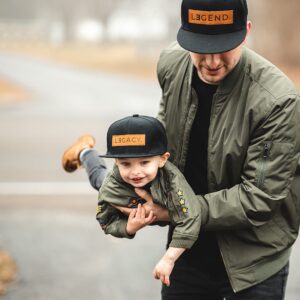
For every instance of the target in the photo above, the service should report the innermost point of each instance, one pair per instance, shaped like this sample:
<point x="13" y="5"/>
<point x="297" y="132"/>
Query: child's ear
<point x="116" y="161"/>
<point x="163" y="159"/>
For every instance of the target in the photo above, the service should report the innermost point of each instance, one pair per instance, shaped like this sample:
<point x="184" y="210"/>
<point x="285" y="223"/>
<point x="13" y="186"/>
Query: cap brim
<point x="130" y="155"/>
<point x="210" y="43"/>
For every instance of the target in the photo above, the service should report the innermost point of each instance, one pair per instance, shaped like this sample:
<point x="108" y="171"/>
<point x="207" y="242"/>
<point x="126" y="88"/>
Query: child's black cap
<point x="136" y="136"/>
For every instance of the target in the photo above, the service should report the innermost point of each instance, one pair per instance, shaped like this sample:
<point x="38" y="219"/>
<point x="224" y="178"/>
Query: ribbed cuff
<point x="182" y="242"/>
<point x="122" y="230"/>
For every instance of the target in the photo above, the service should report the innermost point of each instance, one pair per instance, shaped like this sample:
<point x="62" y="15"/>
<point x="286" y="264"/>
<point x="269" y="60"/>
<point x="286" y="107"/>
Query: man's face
<point x="140" y="171"/>
<point x="213" y="68"/>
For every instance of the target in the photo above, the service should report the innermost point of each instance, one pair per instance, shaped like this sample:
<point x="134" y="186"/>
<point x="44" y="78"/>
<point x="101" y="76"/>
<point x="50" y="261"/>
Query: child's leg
<point x="81" y="153"/>
<point x="94" y="166"/>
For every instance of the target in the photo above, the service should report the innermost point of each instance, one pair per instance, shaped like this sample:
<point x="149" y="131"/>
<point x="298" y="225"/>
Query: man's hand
<point x="137" y="219"/>
<point x="159" y="212"/>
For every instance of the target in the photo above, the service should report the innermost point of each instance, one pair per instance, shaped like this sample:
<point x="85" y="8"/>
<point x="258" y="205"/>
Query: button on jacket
<point x="253" y="151"/>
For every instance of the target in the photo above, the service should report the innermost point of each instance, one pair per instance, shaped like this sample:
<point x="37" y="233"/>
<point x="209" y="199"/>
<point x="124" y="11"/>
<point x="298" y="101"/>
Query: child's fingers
<point x="150" y="216"/>
<point x="138" y="211"/>
<point x="156" y="275"/>
<point x="143" y="213"/>
<point x="167" y="280"/>
<point x="132" y="214"/>
<point x="162" y="278"/>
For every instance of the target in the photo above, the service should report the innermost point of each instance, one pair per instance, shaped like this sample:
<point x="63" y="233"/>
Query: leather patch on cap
<point x="129" y="140"/>
<point x="203" y="17"/>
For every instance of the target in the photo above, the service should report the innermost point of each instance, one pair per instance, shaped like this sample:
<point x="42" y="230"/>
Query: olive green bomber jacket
<point x="168" y="189"/>
<point x="253" y="149"/>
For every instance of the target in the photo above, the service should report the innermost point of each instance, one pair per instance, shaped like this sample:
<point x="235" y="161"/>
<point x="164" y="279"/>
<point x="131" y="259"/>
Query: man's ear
<point x="249" y="26"/>
<point x="163" y="159"/>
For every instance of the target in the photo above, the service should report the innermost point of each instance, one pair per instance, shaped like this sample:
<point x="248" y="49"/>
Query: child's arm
<point x="137" y="219"/>
<point x="159" y="211"/>
<point x="165" y="266"/>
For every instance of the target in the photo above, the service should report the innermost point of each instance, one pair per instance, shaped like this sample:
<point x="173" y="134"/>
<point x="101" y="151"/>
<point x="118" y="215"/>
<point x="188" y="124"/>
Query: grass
<point x="11" y="93"/>
<point x="7" y="271"/>
<point x="118" y="58"/>
<point x="126" y="59"/>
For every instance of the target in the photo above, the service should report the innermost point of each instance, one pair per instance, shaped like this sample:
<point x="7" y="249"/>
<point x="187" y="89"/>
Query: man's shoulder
<point x="267" y="76"/>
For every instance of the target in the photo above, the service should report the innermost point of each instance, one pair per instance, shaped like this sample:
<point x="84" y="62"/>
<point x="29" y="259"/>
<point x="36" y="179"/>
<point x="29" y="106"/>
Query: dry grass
<point x="10" y="93"/>
<point x="117" y="58"/>
<point x="7" y="271"/>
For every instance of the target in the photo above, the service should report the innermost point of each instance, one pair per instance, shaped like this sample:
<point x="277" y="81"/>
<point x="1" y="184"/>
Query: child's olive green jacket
<point x="168" y="189"/>
<point x="253" y="149"/>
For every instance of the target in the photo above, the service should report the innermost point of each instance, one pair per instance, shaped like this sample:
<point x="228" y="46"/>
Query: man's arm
<point x="161" y="213"/>
<point x="269" y="169"/>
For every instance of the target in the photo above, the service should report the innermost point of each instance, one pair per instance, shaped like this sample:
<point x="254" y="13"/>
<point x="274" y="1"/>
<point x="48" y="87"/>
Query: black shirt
<point x="196" y="164"/>
<point x="205" y="252"/>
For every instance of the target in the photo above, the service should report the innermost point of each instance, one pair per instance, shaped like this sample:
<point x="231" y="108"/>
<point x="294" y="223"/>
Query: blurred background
<point x="72" y="67"/>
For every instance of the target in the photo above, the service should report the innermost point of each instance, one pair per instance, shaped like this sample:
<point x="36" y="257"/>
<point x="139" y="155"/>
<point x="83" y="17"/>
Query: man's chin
<point x="213" y="80"/>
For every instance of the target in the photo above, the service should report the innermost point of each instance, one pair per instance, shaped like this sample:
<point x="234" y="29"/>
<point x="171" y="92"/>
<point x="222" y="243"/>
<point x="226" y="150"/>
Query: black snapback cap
<point x="212" y="26"/>
<point x="136" y="136"/>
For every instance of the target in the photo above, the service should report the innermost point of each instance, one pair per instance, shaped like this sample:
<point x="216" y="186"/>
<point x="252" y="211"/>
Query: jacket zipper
<point x="209" y="180"/>
<point x="187" y="129"/>
<point x="262" y="169"/>
<point x="209" y="142"/>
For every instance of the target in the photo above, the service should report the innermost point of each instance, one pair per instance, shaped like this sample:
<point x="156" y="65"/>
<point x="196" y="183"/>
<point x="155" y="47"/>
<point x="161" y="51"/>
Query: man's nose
<point x="213" y="61"/>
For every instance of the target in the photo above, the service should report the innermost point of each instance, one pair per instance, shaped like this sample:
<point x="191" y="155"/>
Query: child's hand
<point x="163" y="270"/>
<point x="137" y="219"/>
<point x="165" y="266"/>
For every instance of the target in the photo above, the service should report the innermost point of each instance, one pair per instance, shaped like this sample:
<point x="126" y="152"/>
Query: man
<point x="232" y="120"/>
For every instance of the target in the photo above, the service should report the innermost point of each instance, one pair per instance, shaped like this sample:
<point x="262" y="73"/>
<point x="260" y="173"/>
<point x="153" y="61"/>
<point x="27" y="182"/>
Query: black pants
<point x="188" y="284"/>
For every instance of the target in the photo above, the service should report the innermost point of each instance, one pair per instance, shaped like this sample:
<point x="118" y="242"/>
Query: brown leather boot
<point x="70" y="159"/>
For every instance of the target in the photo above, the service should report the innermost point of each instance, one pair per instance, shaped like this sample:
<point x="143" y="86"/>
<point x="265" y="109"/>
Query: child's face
<point x="140" y="171"/>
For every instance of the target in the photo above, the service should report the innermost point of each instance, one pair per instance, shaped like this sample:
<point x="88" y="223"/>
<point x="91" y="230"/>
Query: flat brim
<point x="130" y="155"/>
<point x="210" y="43"/>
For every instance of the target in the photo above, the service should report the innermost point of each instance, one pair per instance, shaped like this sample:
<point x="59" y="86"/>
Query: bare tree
<point x="275" y="31"/>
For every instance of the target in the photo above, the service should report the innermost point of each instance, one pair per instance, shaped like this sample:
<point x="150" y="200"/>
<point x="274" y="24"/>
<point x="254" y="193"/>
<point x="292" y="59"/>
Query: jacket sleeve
<point x="267" y="174"/>
<point x="185" y="212"/>
<point x="111" y="220"/>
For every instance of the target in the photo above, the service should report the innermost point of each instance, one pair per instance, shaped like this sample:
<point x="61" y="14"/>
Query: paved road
<point x="47" y="216"/>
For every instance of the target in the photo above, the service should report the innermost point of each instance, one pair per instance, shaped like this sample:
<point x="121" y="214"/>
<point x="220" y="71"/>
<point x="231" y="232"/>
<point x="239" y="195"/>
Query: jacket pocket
<point x="262" y="166"/>
<point x="275" y="168"/>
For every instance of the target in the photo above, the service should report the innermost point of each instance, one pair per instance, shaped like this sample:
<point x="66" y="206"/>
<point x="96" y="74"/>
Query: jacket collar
<point x="233" y="77"/>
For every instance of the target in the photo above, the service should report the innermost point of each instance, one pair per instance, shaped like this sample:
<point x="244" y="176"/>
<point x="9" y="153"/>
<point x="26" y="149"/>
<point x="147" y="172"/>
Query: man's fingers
<point x="143" y="194"/>
<point x="124" y="210"/>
